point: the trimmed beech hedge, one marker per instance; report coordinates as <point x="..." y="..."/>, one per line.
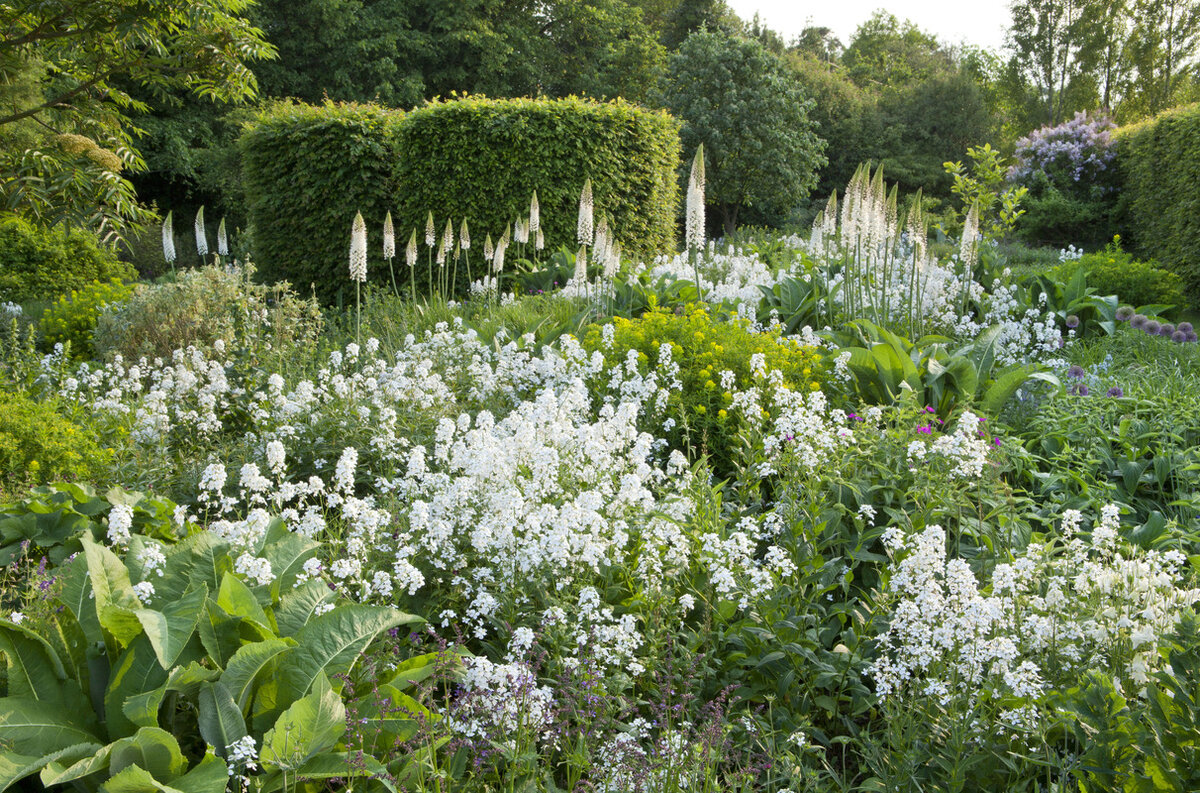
<point x="483" y="158"/>
<point x="307" y="170"/>
<point x="1159" y="161"/>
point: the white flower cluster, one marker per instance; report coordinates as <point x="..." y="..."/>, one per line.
<point x="499" y="701"/>
<point x="1050" y="614"/>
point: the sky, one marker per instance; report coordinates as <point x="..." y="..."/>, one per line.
<point x="953" y="21"/>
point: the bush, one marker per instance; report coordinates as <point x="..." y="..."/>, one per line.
<point x="1069" y="172"/>
<point x="73" y="317"/>
<point x="38" y="263"/>
<point x="1115" y="272"/>
<point x="1159" y="161"/>
<point x="205" y="306"/>
<point x="307" y="171"/>
<point x="38" y="445"/>
<point x="704" y="347"/>
<point x="482" y="159"/>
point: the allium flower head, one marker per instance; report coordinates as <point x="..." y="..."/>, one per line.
<point x="1125" y="313"/>
<point x="1076" y="371"/>
<point x="1078" y="389"/>
<point x="410" y="252"/>
<point x="201" y="235"/>
<point x="430" y="232"/>
<point x="464" y="236"/>
<point x="1186" y="327"/>
<point x="1139" y="321"/>
<point x="535" y="215"/>
<point x="1072" y="321"/>
<point x="222" y="239"/>
<point x="1116" y="392"/>
<point x="389" y="237"/>
<point x="1166" y="329"/>
<point x="1152" y="327"/>
<point x="1191" y="336"/>
<point x="584" y="229"/>
<point x="358" y="249"/>
<point x="1178" y="337"/>
<point x="168" y="238"/>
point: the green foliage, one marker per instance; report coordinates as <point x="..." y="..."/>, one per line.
<point x="1052" y="217"/>
<point x="704" y="346"/>
<point x="307" y="170"/>
<point x="884" y="365"/>
<point x="100" y="684"/>
<point x="204" y="306"/>
<point x="1160" y="164"/>
<point x="1114" y="271"/>
<point x="482" y="159"/>
<point x="73" y="317"/>
<point x="985" y="187"/>
<point x="37" y="263"/>
<point x="38" y="445"/>
<point x="53" y="517"/>
<point x="77" y="63"/>
<point x="736" y="98"/>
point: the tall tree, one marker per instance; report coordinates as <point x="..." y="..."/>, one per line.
<point x="67" y="134"/>
<point x="1163" y="48"/>
<point x="737" y="99"/>
<point x="1048" y="40"/>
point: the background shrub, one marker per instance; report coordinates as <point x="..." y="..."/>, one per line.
<point x="306" y="171"/>
<point x="37" y="263"/>
<point x="1159" y="161"/>
<point x="1068" y="170"/>
<point x="38" y="445"/>
<point x="206" y="305"/>
<point x="72" y="318"/>
<point x="482" y="159"/>
<point x="1113" y="271"/>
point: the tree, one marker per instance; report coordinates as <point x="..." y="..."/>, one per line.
<point x="1049" y="41"/>
<point x="1163" y="48"/>
<point x="736" y="98"/>
<point x="66" y="133"/>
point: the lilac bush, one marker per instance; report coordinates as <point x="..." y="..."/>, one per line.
<point x="1073" y="156"/>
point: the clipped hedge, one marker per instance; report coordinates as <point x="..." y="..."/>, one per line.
<point x="482" y="159"/>
<point x="1159" y="161"/>
<point x="37" y="263"/>
<point x="307" y="169"/>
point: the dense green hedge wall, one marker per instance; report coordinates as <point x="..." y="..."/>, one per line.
<point x="483" y="158"/>
<point x="307" y="170"/>
<point x="40" y="264"/>
<point x="1159" y="162"/>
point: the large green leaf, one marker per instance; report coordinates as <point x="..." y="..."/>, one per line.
<point x="331" y="644"/>
<point x="135" y="779"/>
<point x="76" y="596"/>
<point x="236" y="599"/>
<point x="246" y="664"/>
<point x="220" y="719"/>
<point x="30" y="727"/>
<point x="312" y="725"/>
<point x="15" y="767"/>
<point x="110" y="579"/>
<point x="210" y="775"/>
<point x="137" y="671"/>
<point x="299" y="605"/>
<point x="331" y="765"/>
<point x="56" y="773"/>
<point x="34" y="669"/>
<point x="219" y="632"/>
<point x="170" y="629"/>
<point x="200" y="558"/>
<point x="142" y="709"/>
<point x="152" y="749"/>
<point x="386" y="715"/>
<point x="287" y="552"/>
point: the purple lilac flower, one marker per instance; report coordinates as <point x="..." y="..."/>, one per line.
<point x="1079" y="149"/>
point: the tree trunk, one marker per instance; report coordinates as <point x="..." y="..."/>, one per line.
<point x="729" y="213"/>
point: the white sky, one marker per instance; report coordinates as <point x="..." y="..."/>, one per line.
<point x="979" y="22"/>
